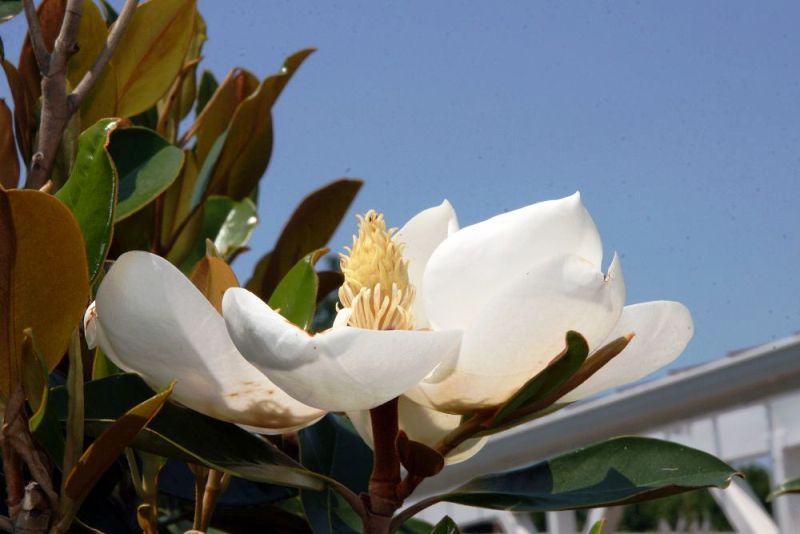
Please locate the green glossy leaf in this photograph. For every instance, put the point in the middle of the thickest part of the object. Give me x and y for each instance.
(208, 84)
(296, 295)
(549, 403)
(550, 379)
(597, 528)
(446, 526)
(183, 434)
(790, 486)
(102, 366)
(618, 471)
(91, 192)
(226, 223)
(146, 163)
(309, 228)
(214, 213)
(235, 232)
(332, 448)
(9, 9)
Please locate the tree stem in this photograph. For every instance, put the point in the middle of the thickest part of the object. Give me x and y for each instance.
(386, 463)
(57, 105)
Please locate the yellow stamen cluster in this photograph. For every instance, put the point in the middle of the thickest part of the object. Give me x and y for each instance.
(376, 283)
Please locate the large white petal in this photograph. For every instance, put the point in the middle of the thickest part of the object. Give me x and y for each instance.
(151, 320)
(340, 369)
(421, 235)
(662, 328)
(464, 272)
(423, 425)
(521, 329)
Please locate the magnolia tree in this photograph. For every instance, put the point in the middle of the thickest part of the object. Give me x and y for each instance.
(128, 343)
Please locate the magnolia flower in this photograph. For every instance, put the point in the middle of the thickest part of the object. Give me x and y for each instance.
(150, 319)
(515, 284)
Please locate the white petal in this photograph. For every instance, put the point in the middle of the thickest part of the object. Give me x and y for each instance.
(151, 320)
(340, 369)
(521, 329)
(423, 425)
(662, 328)
(421, 235)
(464, 271)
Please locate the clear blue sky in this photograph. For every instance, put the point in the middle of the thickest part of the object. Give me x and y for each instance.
(678, 121)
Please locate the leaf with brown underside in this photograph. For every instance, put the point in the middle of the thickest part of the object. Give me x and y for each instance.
(48, 275)
(328, 281)
(23, 109)
(50, 14)
(309, 228)
(188, 88)
(108, 446)
(100, 101)
(217, 113)
(212, 276)
(248, 145)
(92, 35)
(9, 164)
(150, 54)
(177, 200)
(9, 365)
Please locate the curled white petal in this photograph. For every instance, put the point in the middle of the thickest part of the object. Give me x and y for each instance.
(521, 328)
(421, 235)
(465, 270)
(341, 369)
(151, 320)
(662, 328)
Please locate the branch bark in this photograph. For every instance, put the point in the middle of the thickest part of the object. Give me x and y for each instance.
(40, 51)
(382, 499)
(57, 105)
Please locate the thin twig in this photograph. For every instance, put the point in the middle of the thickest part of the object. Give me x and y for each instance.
(114, 37)
(216, 484)
(66, 42)
(57, 105)
(35, 35)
